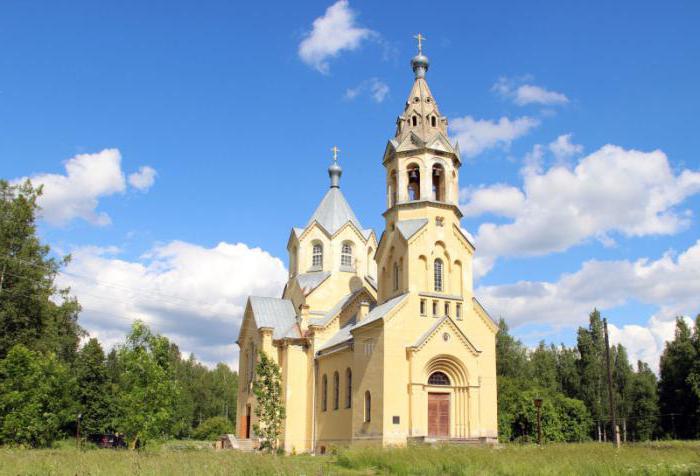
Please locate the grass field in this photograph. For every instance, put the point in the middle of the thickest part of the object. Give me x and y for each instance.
(192, 459)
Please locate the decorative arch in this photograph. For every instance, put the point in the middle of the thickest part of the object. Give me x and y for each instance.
(452, 367)
(438, 181)
(392, 189)
(413, 175)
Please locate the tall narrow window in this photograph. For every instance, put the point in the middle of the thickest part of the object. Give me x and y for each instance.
(348, 388)
(414, 121)
(423, 306)
(438, 183)
(413, 182)
(336, 391)
(396, 276)
(368, 406)
(435, 308)
(346, 256)
(317, 256)
(437, 274)
(433, 121)
(458, 311)
(447, 308)
(324, 393)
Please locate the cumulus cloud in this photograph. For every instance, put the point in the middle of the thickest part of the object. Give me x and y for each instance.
(478, 135)
(562, 148)
(332, 33)
(374, 87)
(143, 179)
(76, 194)
(612, 190)
(671, 283)
(523, 93)
(192, 294)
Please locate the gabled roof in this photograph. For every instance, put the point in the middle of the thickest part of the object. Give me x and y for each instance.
(277, 314)
(343, 335)
(310, 281)
(380, 311)
(335, 310)
(445, 320)
(408, 228)
(334, 211)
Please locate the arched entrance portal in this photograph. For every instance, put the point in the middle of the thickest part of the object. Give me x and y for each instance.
(446, 386)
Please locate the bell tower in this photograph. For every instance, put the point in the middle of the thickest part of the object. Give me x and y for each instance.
(422, 184)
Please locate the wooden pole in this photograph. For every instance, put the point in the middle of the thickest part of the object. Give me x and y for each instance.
(615, 430)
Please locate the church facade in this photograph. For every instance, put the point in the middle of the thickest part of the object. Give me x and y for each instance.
(380, 342)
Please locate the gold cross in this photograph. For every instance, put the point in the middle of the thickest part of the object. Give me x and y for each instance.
(335, 153)
(420, 39)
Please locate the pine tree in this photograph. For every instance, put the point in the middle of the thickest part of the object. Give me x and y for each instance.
(93, 389)
(33, 312)
(677, 400)
(591, 348)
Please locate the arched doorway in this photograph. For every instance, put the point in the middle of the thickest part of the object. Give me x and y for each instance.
(438, 407)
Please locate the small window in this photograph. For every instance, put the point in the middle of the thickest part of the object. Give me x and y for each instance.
(458, 311)
(317, 256)
(414, 121)
(423, 306)
(336, 391)
(447, 308)
(368, 407)
(348, 388)
(433, 121)
(437, 271)
(324, 393)
(346, 256)
(439, 221)
(438, 378)
(435, 308)
(396, 276)
(396, 420)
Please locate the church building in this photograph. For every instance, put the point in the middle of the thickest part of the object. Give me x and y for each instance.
(380, 342)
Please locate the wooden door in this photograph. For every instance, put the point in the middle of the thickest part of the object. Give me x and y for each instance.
(439, 415)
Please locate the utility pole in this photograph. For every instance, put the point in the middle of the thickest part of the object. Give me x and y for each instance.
(538, 405)
(614, 428)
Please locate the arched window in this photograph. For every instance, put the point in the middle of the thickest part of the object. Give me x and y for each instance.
(414, 121)
(437, 272)
(393, 189)
(438, 378)
(348, 388)
(324, 393)
(346, 255)
(368, 407)
(336, 391)
(396, 276)
(438, 183)
(317, 256)
(413, 182)
(433, 121)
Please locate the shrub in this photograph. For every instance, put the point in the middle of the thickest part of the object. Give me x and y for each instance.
(213, 427)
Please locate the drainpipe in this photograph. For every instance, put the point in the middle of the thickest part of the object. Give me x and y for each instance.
(313, 403)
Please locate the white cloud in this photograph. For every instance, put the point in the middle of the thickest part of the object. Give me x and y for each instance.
(376, 88)
(612, 190)
(192, 294)
(524, 94)
(672, 284)
(563, 148)
(478, 135)
(143, 179)
(76, 194)
(331, 34)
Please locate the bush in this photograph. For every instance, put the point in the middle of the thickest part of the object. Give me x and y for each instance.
(212, 428)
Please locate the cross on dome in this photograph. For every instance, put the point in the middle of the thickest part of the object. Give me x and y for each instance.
(420, 39)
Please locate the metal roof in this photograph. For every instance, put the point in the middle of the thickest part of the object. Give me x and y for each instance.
(343, 335)
(335, 310)
(334, 211)
(380, 311)
(310, 281)
(278, 314)
(408, 228)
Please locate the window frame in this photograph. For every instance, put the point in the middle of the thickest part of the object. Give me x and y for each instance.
(346, 255)
(317, 256)
(348, 388)
(438, 275)
(324, 393)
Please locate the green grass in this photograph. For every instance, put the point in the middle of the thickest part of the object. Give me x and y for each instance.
(192, 458)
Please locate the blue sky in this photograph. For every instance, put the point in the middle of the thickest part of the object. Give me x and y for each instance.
(232, 108)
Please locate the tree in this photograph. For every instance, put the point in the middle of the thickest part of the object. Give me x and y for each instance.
(591, 348)
(677, 400)
(543, 362)
(511, 354)
(622, 381)
(33, 312)
(147, 389)
(35, 398)
(644, 405)
(93, 389)
(269, 407)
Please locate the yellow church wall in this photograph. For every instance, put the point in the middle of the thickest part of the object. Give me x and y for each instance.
(296, 384)
(368, 376)
(333, 425)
